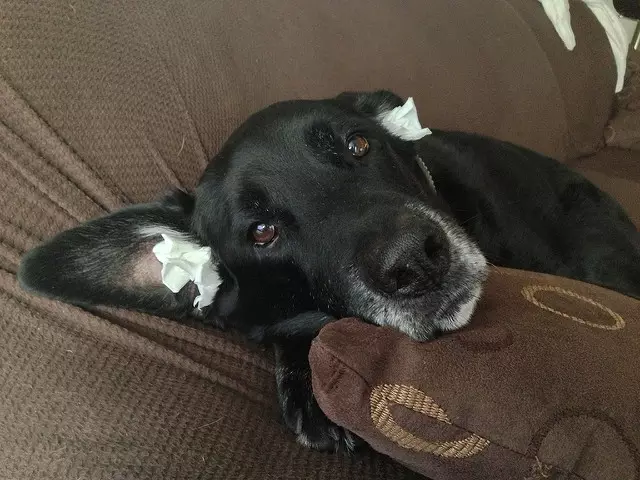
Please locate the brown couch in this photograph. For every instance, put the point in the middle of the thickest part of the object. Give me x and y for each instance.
(108, 103)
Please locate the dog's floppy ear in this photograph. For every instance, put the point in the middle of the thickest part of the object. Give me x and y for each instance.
(109, 260)
(371, 104)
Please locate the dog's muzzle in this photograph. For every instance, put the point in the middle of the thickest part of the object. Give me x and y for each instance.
(422, 275)
(410, 262)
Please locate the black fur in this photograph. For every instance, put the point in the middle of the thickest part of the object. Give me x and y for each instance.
(528, 211)
(366, 236)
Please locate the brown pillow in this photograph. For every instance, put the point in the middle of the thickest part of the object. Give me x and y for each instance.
(543, 384)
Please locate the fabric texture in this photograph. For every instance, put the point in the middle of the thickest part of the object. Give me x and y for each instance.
(543, 384)
(623, 128)
(585, 76)
(559, 15)
(104, 104)
(124, 73)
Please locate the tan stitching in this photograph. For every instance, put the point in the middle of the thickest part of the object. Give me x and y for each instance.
(416, 400)
(530, 291)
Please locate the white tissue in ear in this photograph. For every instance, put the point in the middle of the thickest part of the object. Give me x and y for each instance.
(403, 122)
(184, 261)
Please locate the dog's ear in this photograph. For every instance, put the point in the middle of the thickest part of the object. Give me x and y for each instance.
(109, 260)
(370, 104)
(397, 117)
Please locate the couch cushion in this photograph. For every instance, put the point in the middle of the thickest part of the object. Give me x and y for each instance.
(91, 119)
(543, 384)
(586, 76)
(489, 66)
(617, 172)
(623, 129)
(114, 395)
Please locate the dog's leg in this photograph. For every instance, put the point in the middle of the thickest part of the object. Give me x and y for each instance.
(299, 407)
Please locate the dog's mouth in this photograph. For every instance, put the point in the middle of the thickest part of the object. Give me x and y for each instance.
(456, 312)
(423, 318)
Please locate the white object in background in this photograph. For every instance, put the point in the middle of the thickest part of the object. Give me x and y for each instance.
(403, 122)
(616, 33)
(184, 261)
(558, 13)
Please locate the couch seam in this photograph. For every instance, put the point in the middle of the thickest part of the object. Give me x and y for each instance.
(34, 310)
(550, 66)
(114, 190)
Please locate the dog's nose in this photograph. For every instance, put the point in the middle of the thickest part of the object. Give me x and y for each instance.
(409, 263)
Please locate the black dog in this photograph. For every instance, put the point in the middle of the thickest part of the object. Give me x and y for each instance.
(315, 211)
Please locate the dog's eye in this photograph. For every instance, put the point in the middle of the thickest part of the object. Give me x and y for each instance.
(358, 145)
(263, 234)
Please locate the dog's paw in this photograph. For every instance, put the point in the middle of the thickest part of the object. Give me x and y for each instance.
(300, 410)
(314, 430)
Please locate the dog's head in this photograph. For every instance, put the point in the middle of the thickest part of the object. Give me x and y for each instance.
(310, 205)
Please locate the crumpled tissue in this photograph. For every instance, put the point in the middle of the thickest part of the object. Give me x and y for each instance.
(184, 261)
(403, 122)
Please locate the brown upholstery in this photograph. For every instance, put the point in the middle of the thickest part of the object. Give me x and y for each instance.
(543, 384)
(585, 77)
(108, 103)
(623, 128)
(137, 78)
